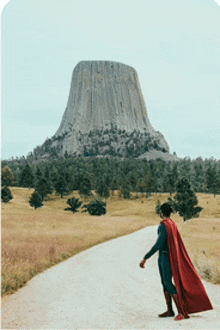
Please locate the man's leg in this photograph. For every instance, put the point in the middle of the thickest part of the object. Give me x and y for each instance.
(180, 315)
(167, 279)
(167, 274)
(168, 298)
(169, 312)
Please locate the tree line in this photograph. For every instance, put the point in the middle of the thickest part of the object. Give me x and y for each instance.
(105, 175)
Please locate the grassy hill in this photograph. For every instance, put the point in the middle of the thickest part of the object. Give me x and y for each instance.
(33, 240)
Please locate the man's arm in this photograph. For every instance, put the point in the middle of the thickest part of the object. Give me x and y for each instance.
(157, 246)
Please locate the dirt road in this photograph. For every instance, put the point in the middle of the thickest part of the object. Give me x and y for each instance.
(102, 288)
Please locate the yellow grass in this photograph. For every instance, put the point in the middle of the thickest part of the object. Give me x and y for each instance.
(33, 240)
(202, 238)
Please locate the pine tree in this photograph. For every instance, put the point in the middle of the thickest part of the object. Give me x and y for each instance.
(171, 179)
(149, 182)
(62, 184)
(41, 187)
(27, 177)
(113, 186)
(125, 189)
(102, 187)
(35, 200)
(49, 181)
(85, 187)
(47, 173)
(198, 175)
(213, 180)
(6, 195)
(185, 201)
(38, 174)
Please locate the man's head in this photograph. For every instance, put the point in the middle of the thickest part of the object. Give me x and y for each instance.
(166, 209)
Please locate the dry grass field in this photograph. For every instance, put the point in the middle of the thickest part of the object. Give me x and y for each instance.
(202, 238)
(33, 240)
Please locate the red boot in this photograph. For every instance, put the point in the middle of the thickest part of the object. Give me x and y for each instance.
(169, 311)
(180, 315)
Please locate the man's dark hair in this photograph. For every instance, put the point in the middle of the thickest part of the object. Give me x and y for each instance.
(166, 209)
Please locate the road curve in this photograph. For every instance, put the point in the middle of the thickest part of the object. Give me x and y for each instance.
(102, 288)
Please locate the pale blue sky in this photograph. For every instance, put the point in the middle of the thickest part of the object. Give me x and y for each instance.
(174, 45)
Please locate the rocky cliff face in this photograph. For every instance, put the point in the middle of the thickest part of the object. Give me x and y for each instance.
(105, 115)
(102, 94)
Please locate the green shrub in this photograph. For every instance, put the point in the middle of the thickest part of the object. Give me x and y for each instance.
(96, 207)
(6, 194)
(74, 204)
(35, 200)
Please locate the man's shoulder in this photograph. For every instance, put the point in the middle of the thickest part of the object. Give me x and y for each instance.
(161, 227)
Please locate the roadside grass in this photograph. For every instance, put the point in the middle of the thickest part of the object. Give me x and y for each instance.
(34, 240)
(202, 238)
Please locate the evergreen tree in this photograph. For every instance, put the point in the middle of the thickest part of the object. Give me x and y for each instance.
(85, 187)
(53, 176)
(186, 168)
(74, 204)
(125, 189)
(113, 186)
(198, 175)
(102, 187)
(171, 179)
(141, 187)
(146, 185)
(6, 195)
(96, 207)
(47, 173)
(149, 182)
(35, 200)
(133, 179)
(38, 174)
(185, 201)
(62, 184)
(49, 189)
(27, 177)
(42, 188)
(213, 180)
(17, 173)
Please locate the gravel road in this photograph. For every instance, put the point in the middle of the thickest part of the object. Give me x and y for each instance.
(102, 288)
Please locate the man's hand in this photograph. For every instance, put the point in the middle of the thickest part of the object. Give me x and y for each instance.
(142, 264)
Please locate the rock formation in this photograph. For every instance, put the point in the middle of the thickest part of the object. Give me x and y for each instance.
(105, 115)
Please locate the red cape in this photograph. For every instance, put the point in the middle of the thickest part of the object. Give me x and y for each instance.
(190, 290)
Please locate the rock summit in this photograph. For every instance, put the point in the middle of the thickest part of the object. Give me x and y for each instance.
(105, 115)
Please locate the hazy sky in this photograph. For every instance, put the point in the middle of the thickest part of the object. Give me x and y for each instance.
(174, 45)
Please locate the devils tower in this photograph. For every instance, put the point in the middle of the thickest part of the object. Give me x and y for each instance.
(105, 115)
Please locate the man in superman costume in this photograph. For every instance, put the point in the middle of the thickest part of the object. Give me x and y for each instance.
(188, 292)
